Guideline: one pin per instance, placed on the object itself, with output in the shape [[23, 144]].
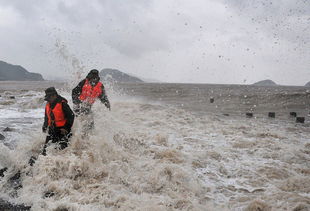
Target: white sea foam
[[145, 156]]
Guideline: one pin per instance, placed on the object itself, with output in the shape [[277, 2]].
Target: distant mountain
[[9, 72], [308, 84], [151, 80], [118, 76], [265, 83], [147, 80]]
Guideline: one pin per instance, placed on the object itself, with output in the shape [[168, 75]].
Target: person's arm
[[69, 115], [76, 92], [104, 98], [44, 127]]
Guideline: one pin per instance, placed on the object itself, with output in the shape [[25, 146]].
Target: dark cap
[[93, 74], [50, 91]]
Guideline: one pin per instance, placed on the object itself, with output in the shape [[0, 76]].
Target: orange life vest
[[58, 114], [90, 93]]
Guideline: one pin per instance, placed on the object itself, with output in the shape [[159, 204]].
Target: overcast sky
[[197, 41]]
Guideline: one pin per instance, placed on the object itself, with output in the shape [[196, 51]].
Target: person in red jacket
[[58, 119], [85, 94]]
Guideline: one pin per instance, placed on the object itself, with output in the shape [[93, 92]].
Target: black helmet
[[49, 92], [93, 74]]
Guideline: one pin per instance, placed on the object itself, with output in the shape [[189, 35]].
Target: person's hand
[[63, 131], [76, 108], [44, 129], [107, 104]]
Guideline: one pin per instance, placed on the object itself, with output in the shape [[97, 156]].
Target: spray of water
[[144, 156]]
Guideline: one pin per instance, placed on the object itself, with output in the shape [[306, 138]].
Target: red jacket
[[90, 93]]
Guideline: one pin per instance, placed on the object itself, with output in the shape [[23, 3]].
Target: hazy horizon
[[150, 80]]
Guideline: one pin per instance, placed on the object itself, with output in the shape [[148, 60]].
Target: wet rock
[[2, 171], [300, 119], [2, 137], [49, 194], [249, 115], [7, 129], [15, 177], [15, 181], [293, 114], [5, 205], [32, 160], [211, 100], [272, 114]]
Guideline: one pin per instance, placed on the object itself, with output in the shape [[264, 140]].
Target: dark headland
[[118, 76], [265, 83], [9, 72]]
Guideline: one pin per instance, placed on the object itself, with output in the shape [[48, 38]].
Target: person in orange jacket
[[85, 94], [58, 122], [58, 119]]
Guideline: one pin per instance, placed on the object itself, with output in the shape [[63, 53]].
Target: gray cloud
[[281, 18], [178, 41]]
